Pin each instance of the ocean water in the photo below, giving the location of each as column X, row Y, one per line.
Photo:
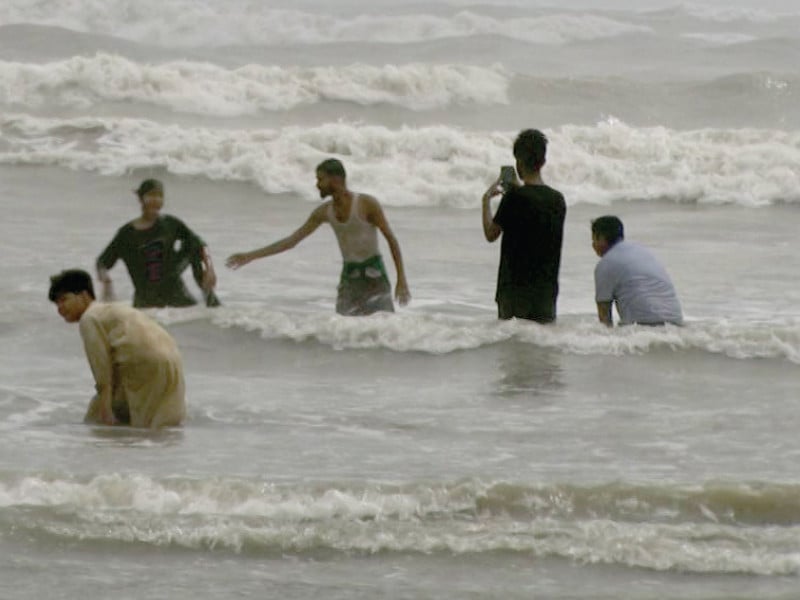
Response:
column 434, row 452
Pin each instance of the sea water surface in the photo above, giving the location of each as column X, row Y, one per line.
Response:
column 434, row 452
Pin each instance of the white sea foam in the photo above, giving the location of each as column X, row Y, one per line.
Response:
column 206, row 89
column 441, row 334
column 732, row 13
column 721, row 38
column 208, row 23
column 614, row 524
column 429, row 166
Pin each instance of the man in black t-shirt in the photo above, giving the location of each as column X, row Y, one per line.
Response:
column 156, row 250
column 531, row 220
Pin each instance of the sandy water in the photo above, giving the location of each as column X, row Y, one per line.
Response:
column 433, row 453
column 430, row 453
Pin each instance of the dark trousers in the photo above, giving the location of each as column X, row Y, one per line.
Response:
column 534, row 307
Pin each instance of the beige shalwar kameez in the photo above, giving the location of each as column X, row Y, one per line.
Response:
column 140, row 362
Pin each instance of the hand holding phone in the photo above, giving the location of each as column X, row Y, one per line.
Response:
column 508, row 178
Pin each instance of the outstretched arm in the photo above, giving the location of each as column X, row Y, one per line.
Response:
column 374, row 214
column 491, row 229
column 314, row 220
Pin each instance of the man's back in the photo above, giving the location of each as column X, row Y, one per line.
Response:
column 532, row 219
column 633, row 277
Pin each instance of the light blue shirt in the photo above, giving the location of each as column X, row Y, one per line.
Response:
column 630, row 275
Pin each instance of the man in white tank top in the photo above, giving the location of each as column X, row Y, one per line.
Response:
column 356, row 219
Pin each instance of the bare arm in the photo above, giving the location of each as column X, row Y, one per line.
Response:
column 604, row 313
column 108, row 257
column 209, row 275
column 315, row 219
column 374, row 214
column 107, row 295
column 491, row 229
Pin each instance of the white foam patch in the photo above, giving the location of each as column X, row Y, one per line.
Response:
column 206, row 89
column 217, row 496
column 732, row 14
column 441, row 334
column 721, row 38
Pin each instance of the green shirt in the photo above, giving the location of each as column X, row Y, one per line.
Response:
column 155, row 258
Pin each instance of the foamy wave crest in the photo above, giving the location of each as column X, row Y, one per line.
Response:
column 736, row 339
column 716, row 528
column 614, row 161
column 235, row 22
column 721, row 38
column 206, row 89
column 441, row 334
column 731, row 14
column 429, row 166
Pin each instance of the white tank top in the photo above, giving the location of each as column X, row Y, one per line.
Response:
column 358, row 239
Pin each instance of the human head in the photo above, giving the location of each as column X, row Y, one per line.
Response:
column 72, row 291
column 330, row 176
column 151, row 197
column 606, row 231
column 148, row 186
column 530, row 150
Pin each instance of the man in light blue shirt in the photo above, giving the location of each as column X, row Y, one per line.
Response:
column 632, row 277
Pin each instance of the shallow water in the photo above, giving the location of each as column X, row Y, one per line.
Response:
column 435, row 452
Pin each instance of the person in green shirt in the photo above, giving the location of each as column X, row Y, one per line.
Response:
column 156, row 250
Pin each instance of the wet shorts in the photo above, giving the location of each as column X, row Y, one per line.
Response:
column 364, row 288
column 535, row 307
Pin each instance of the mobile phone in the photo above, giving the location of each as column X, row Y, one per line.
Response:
column 508, row 177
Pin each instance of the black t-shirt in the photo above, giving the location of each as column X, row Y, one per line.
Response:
column 155, row 258
column 532, row 219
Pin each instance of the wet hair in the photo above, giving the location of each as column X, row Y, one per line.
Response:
column 71, row 281
column 609, row 228
column 149, row 185
column 530, row 149
column 332, row 166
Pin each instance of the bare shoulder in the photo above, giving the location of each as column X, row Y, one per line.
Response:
column 320, row 214
column 368, row 200
column 369, row 206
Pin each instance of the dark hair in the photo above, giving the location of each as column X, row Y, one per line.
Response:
column 609, row 228
column 530, row 149
column 71, row 281
column 332, row 166
column 149, row 185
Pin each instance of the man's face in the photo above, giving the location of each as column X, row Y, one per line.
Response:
column 71, row 306
column 599, row 244
column 151, row 205
column 324, row 184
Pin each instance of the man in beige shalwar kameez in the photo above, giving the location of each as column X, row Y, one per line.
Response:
column 136, row 364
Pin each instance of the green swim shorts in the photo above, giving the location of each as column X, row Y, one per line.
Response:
column 364, row 288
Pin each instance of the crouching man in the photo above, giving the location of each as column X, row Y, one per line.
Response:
column 630, row 276
column 136, row 364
